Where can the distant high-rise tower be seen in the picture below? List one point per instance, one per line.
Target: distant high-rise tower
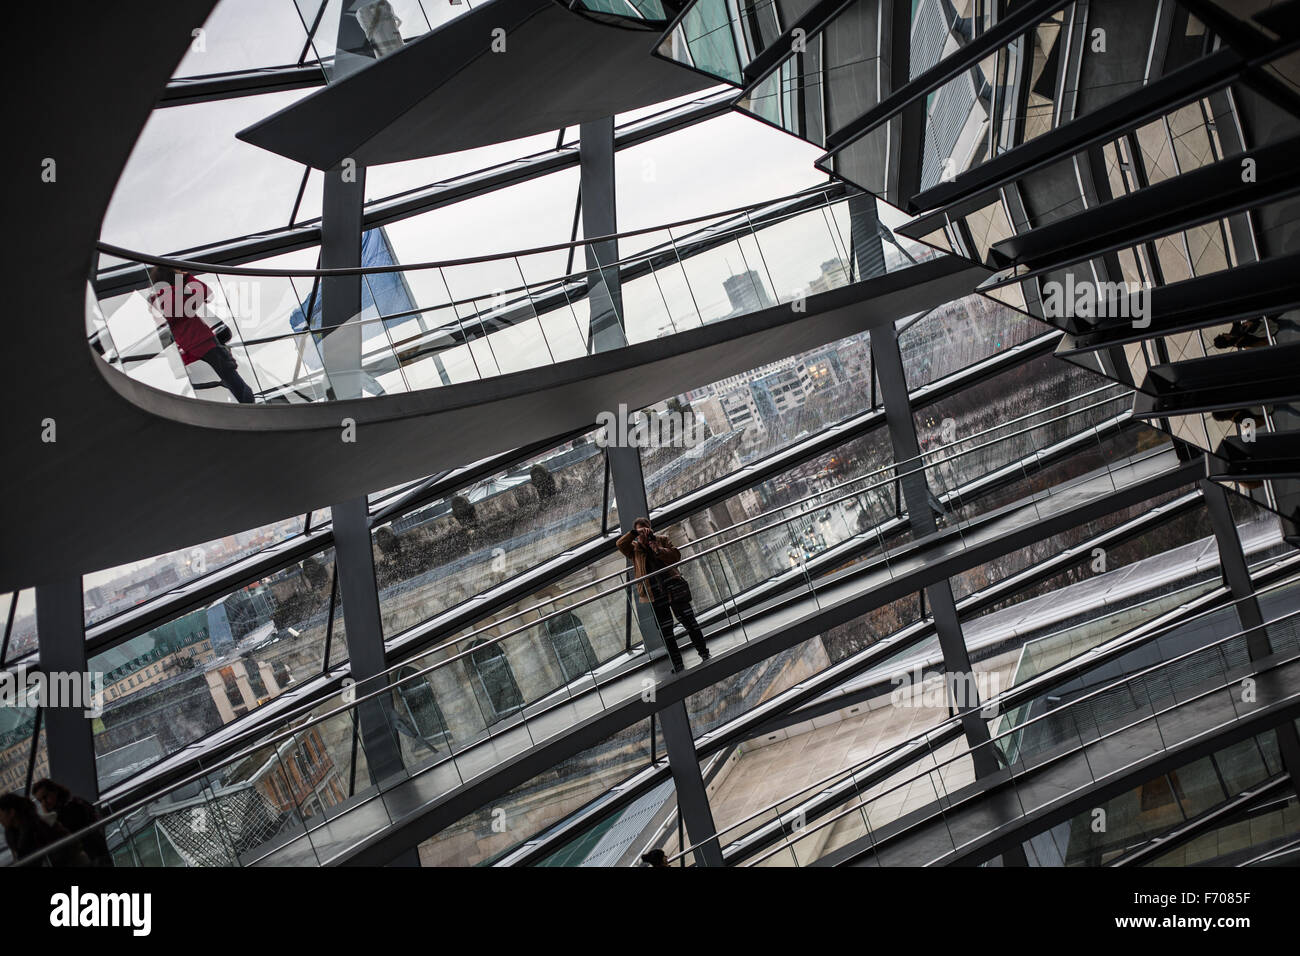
(746, 292)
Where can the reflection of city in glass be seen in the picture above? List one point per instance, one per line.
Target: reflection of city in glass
(224, 660)
(183, 679)
(119, 589)
(944, 487)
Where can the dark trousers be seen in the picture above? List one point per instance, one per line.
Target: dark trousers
(674, 598)
(223, 363)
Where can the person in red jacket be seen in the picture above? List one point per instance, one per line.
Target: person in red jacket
(179, 299)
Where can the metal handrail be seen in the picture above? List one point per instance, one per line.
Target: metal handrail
(386, 689)
(694, 542)
(556, 283)
(187, 265)
(1019, 728)
(275, 741)
(631, 582)
(1073, 665)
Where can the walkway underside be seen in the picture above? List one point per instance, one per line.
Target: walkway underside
(466, 85)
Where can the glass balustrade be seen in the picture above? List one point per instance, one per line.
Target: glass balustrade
(1139, 712)
(428, 326)
(500, 690)
(1077, 674)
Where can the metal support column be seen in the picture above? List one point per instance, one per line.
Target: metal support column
(887, 366)
(342, 206)
(692, 797)
(629, 492)
(365, 637)
(888, 363)
(866, 247)
(1236, 576)
(343, 199)
(363, 37)
(61, 636)
(679, 740)
(600, 218)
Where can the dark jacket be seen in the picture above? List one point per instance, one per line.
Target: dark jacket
(631, 546)
(75, 814)
(24, 839)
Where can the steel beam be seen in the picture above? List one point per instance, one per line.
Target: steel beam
(1154, 99)
(61, 637)
(1236, 573)
(339, 340)
(184, 91)
(342, 224)
(692, 796)
(629, 492)
(354, 560)
(888, 362)
(600, 218)
(1026, 15)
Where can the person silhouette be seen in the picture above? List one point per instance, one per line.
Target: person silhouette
(662, 586)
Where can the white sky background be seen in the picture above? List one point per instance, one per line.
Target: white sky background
(190, 182)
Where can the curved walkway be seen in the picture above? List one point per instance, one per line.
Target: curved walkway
(159, 471)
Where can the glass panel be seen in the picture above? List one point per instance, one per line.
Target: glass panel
(245, 189)
(545, 800)
(22, 632)
(752, 415)
(438, 555)
(17, 729)
(959, 334)
(119, 589)
(184, 679)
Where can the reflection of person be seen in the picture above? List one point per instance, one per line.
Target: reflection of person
(655, 858)
(75, 815)
(26, 833)
(1243, 334)
(381, 26)
(665, 589)
(177, 299)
